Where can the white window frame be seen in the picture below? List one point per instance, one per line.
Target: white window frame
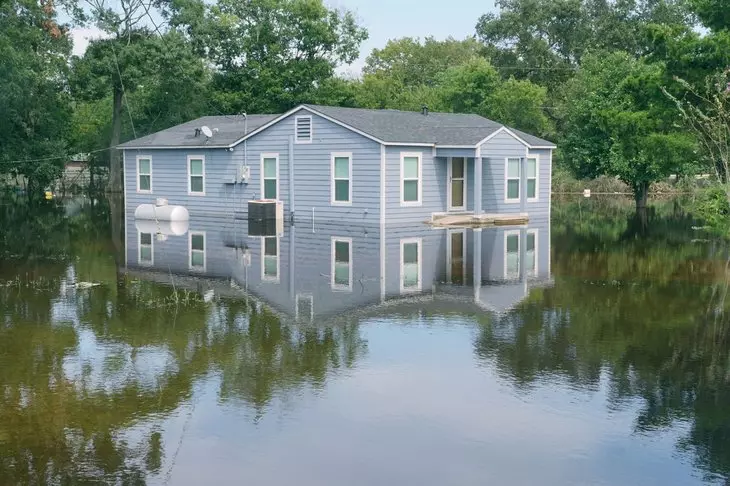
(536, 158)
(507, 199)
(269, 278)
(333, 200)
(507, 234)
(270, 155)
(190, 251)
(419, 287)
(144, 157)
(190, 186)
(296, 129)
(449, 256)
(403, 156)
(333, 285)
(151, 262)
(533, 272)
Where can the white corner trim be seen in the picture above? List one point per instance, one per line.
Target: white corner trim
(143, 157)
(269, 155)
(403, 156)
(190, 192)
(383, 174)
(333, 285)
(333, 156)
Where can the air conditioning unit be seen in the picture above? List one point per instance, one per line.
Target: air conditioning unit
(265, 217)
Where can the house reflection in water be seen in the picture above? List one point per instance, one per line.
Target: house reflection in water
(322, 270)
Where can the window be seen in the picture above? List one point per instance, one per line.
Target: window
(270, 259)
(410, 174)
(303, 129)
(146, 250)
(512, 255)
(532, 171)
(270, 176)
(341, 178)
(341, 270)
(304, 307)
(512, 189)
(197, 251)
(144, 174)
(196, 174)
(410, 267)
(531, 253)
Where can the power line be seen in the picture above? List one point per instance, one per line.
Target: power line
(53, 158)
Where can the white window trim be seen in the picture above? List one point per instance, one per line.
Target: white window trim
(419, 287)
(333, 156)
(302, 297)
(296, 131)
(144, 157)
(151, 262)
(270, 155)
(190, 251)
(269, 278)
(450, 188)
(537, 177)
(333, 285)
(533, 273)
(190, 191)
(403, 156)
(507, 234)
(507, 178)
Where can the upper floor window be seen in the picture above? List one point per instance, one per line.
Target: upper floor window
(270, 176)
(144, 174)
(532, 179)
(341, 178)
(303, 129)
(341, 270)
(410, 175)
(196, 174)
(512, 184)
(196, 249)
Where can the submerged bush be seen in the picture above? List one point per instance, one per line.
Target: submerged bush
(713, 208)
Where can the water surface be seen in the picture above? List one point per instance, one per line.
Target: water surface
(597, 355)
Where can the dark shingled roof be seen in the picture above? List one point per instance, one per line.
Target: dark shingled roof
(390, 126)
(230, 129)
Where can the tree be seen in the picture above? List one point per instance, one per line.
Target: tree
(269, 55)
(617, 124)
(34, 98)
(714, 14)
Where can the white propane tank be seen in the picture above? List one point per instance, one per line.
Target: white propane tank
(161, 213)
(172, 228)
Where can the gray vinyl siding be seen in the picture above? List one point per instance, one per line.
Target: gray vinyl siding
(455, 152)
(433, 183)
(542, 205)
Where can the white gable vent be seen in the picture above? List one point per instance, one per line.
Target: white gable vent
(303, 129)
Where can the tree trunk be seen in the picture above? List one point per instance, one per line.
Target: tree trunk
(115, 163)
(641, 194)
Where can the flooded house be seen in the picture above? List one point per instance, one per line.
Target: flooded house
(357, 192)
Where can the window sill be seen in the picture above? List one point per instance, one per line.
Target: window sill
(196, 193)
(144, 192)
(511, 201)
(533, 199)
(340, 203)
(341, 289)
(411, 204)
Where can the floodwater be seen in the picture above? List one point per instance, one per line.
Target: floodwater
(593, 349)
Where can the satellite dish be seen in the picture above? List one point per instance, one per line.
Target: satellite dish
(206, 131)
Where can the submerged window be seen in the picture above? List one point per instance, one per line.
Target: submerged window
(197, 251)
(146, 253)
(196, 174)
(531, 253)
(513, 179)
(144, 174)
(270, 176)
(532, 178)
(341, 270)
(410, 171)
(303, 129)
(512, 255)
(341, 178)
(410, 268)
(305, 307)
(270, 261)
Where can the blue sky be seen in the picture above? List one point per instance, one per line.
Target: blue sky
(386, 19)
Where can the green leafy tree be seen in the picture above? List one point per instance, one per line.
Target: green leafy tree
(617, 124)
(34, 101)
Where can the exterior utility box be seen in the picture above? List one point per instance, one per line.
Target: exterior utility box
(265, 217)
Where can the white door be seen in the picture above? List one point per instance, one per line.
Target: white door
(457, 184)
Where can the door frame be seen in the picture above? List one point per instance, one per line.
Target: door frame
(449, 190)
(450, 256)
